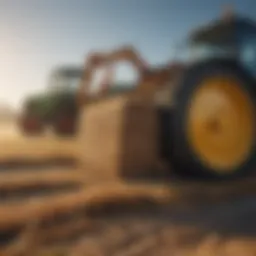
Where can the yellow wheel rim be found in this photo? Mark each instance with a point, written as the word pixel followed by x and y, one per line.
pixel 221 123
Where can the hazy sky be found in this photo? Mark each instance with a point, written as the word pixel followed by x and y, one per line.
pixel 37 35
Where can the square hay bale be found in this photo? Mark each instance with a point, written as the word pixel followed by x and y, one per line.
pixel 118 138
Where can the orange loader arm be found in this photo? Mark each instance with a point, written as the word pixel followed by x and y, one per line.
pixel 97 60
pixel 150 80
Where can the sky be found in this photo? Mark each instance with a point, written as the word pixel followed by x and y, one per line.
pixel 38 35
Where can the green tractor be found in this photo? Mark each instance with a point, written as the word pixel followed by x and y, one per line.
pixel 56 108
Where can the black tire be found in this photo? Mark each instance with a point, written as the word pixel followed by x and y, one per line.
pixel 62 129
pixel 183 157
pixel 31 125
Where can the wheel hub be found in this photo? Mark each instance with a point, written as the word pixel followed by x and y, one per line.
pixel 221 123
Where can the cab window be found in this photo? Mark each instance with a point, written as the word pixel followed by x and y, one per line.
pixel 248 54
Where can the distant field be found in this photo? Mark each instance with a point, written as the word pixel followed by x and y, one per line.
pixel 8 129
pixel 16 146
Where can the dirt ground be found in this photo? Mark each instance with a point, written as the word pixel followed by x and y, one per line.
pixel 46 208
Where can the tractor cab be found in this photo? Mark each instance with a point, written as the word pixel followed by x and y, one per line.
pixel 65 79
pixel 229 37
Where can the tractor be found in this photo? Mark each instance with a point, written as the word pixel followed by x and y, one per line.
pixel 55 108
pixel 195 117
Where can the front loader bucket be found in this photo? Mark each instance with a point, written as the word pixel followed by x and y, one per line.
pixel 118 139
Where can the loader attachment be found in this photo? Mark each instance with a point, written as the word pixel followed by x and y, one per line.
pixel 97 60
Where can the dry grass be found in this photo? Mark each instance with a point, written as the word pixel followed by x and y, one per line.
pixel 118 198
pixel 178 241
pixel 210 246
pixel 10 181
pixel 47 207
pixel 99 201
pixel 36 148
pixel 114 196
pixel 213 245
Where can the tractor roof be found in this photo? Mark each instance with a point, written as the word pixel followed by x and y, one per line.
pixel 223 30
pixel 68 71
